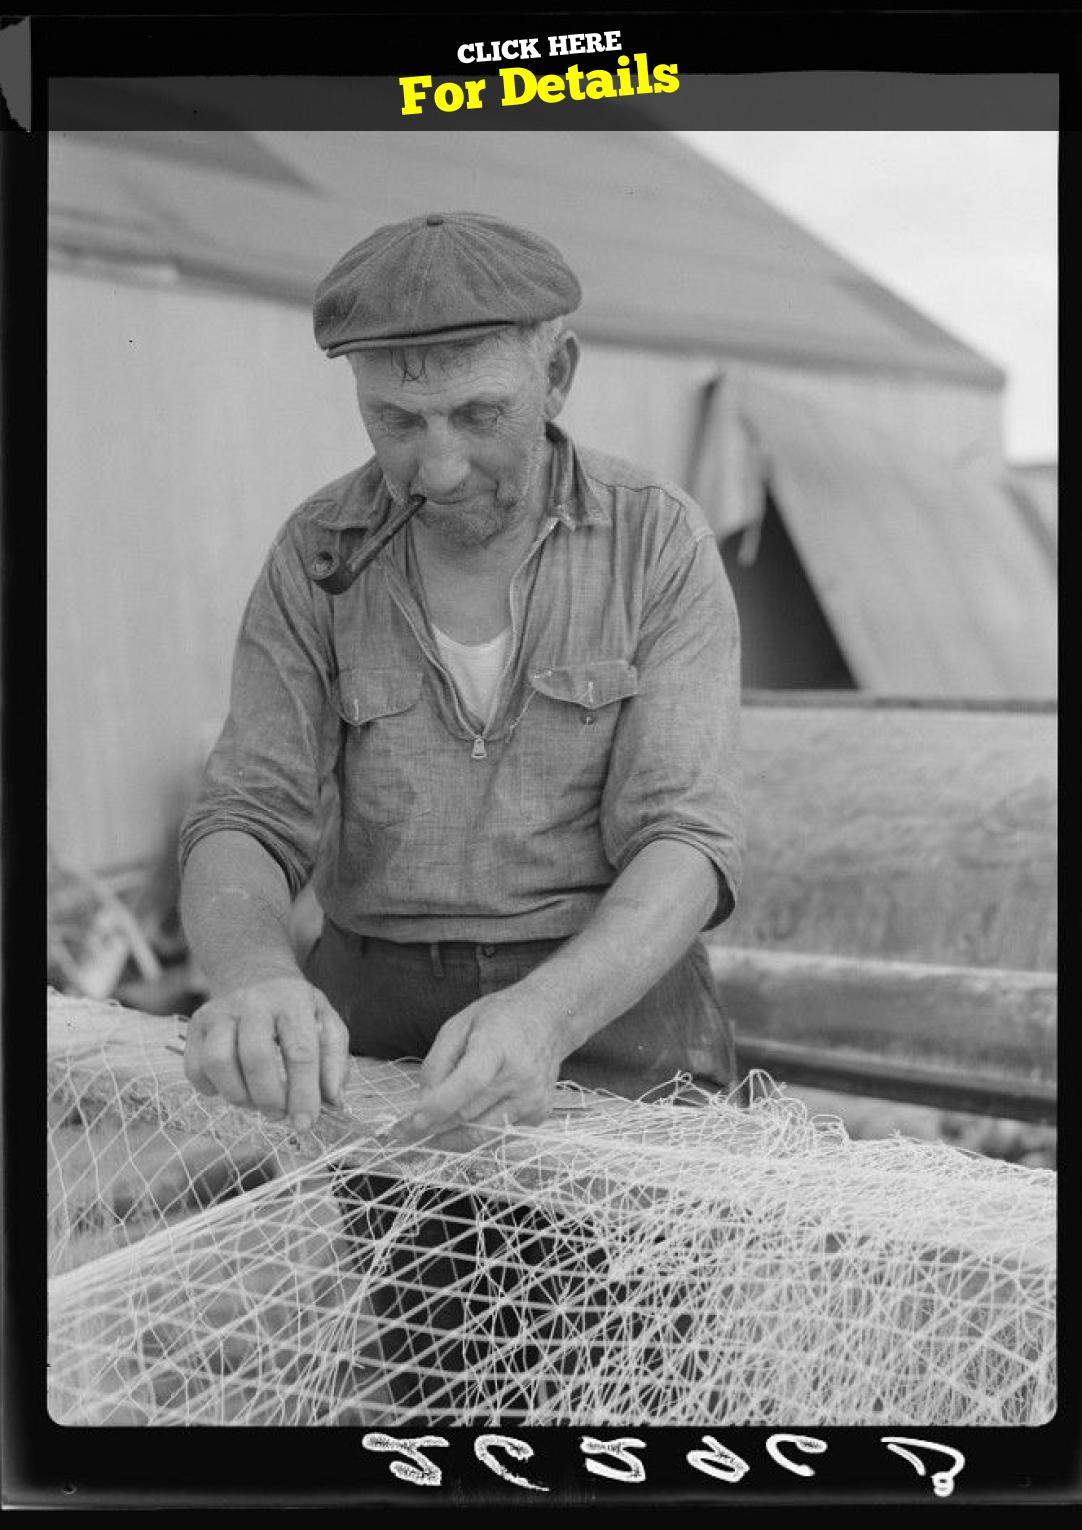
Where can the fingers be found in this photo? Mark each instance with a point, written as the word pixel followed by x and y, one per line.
pixel 298 1040
pixel 473 1077
pixel 467 1131
pixel 441 1130
pixel 211 1063
pixel 333 1051
pixel 273 1047
pixel 499 1114
pixel 437 1116
pixel 491 1063
pixel 447 1051
pixel 486 1101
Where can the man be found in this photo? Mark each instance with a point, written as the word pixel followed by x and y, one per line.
pixel 507 753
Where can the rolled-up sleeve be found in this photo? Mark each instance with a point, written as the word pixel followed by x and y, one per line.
pixel 265 773
pixel 674 771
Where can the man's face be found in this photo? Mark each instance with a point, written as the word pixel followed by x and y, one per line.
pixel 466 429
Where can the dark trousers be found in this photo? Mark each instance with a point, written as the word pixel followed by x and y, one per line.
pixel 395 998
pixel 456 1296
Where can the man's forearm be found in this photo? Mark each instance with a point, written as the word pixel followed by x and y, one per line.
pixel 235 907
pixel 642 927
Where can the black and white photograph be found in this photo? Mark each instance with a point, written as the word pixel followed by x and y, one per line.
pixel 551 785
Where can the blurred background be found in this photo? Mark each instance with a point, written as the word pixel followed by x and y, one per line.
pixel 842 344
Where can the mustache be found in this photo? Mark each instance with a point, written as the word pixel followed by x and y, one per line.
pixel 472 529
pixel 402 497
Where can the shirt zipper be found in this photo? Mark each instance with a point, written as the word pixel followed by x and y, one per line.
pixel 478 750
pixel 537 543
pixel 433 658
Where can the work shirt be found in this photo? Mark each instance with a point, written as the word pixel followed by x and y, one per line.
pixel 348 754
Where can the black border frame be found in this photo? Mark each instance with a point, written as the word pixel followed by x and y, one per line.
pixel 285 71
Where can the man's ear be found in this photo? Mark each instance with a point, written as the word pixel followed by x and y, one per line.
pixel 562 366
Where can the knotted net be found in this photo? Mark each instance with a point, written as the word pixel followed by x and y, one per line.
pixel 689 1261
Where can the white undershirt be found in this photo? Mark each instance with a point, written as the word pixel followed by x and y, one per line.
pixel 476 669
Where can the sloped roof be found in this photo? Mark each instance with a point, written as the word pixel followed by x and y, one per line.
pixel 1034 487
pixel 932 583
pixel 671 250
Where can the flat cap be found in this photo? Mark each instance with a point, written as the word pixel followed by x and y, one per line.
pixel 440 277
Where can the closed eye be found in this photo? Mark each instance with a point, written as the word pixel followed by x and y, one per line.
pixel 398 420
pixel 477 416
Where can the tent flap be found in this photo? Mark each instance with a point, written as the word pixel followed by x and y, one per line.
pixel 927 574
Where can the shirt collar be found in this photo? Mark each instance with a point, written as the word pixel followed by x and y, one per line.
pixel 571 498
pixel 362 499
pixel 359 499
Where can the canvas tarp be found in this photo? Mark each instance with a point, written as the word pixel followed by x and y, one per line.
pixel 672 251
pixel 931 581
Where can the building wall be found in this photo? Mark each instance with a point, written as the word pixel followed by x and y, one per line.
pixel 183 428
pixel 1035 487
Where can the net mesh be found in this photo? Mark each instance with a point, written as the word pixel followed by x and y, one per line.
pixel 687 1261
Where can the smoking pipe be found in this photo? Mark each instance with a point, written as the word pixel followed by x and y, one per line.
pixel 335 574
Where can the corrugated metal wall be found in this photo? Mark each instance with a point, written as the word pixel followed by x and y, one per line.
pixel 184 426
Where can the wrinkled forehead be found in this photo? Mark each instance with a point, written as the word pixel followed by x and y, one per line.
pixel 502 360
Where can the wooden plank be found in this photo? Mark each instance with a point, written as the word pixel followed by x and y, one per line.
pixel 877 701
pixel 864 1074
pixel 953 1017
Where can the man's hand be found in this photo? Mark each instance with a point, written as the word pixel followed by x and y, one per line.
pixel 495 1063
pixel 277 1046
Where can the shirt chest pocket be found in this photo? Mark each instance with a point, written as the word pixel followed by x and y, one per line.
pixel 573 712
pixel 383 765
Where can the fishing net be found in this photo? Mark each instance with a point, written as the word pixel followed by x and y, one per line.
pixel 694 1260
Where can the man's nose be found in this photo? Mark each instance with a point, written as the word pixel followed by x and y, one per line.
pixel 444 467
